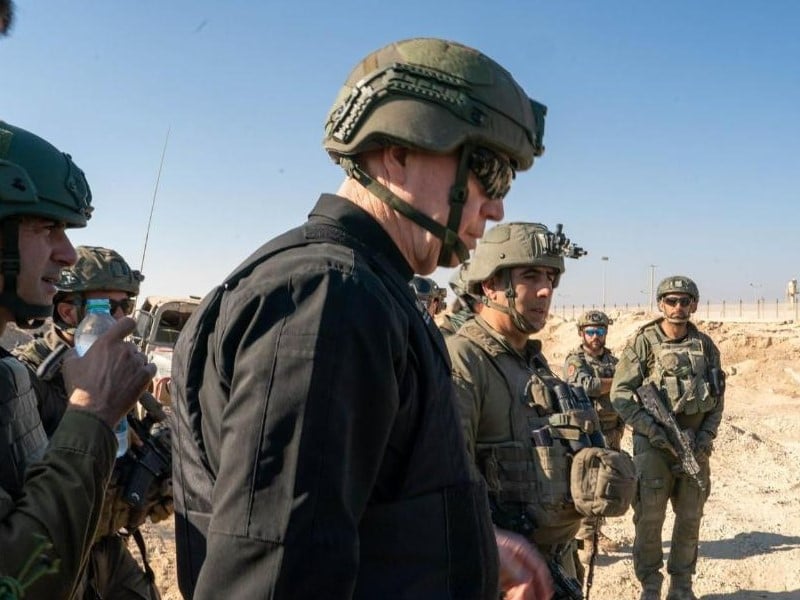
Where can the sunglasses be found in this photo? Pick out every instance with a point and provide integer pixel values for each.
(125, 305)
(675, 300)
(494, 172)
(595, 331)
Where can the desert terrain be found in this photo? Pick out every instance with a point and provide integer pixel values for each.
(750, 535)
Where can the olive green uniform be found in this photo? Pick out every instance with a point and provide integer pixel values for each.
(681, 370)
(62, 493)
(502, 396)
(585, 370)
(111, 572)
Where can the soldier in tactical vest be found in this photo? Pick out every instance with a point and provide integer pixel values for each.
(506, 389)
(591, 365)
(51, 491)
(317, 447)
(112, 571)
(684, 365)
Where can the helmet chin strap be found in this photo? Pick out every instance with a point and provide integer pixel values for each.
(451, 243)
(27, 316)
(521, 323)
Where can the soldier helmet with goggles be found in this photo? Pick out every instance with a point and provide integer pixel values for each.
(441, 97)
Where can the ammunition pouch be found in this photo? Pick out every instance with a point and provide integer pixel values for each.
(602, 482)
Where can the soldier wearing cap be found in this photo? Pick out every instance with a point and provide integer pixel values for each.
(51, 491)
(112, 571)
(316, 442)
(684, 364)
(505, 388)
(591, 365)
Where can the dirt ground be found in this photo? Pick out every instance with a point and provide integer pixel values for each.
(750, 535)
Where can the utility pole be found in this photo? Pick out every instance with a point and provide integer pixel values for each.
(652, 286)
(605, 262)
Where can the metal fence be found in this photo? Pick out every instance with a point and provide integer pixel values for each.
(738, 310)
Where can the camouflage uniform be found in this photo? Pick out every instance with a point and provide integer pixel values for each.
(681, 370)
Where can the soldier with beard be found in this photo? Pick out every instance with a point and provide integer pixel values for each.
(684, 365)
(591, 365)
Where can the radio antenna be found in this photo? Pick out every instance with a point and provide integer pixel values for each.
(153, 203)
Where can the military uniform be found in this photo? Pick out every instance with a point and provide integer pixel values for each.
(681, 370)
(61, 494)
(585, 370)
(449, 323)
(111, 572)
(503, 395)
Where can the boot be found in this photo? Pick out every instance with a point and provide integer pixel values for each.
(680, 588)
(651, 587)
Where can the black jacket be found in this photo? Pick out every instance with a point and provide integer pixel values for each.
(318, 453)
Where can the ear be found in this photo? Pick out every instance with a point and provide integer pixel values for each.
(693, 307)
(68, 313)
(394, 163)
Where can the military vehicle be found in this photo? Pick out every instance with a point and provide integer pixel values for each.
(159, 321)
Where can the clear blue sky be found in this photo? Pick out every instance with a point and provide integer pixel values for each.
(673, 133)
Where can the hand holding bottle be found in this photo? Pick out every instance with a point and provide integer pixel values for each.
(109, 379)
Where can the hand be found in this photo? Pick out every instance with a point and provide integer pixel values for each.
(524, 574)
(110, 377)
(703, 443)
(658, 439)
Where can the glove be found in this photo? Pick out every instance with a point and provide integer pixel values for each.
(658, 439)
(703, 443)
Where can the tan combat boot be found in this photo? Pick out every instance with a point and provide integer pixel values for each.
(651, 587)
(680, 588)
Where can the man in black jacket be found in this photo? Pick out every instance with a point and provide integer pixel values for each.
(317, 449)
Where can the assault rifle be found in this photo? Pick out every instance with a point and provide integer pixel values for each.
(566, 587)
(681, 442)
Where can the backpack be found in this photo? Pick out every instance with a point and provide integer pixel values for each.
(602, 482)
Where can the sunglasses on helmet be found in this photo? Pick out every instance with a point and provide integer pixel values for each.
(684, 301)
(494, 172)
(595, 331)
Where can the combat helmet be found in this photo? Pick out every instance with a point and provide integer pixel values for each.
(510, 245)
(595, 318)
(437, 96)
(424, 288)
(38, 180)
(96, 269)
(677, 284)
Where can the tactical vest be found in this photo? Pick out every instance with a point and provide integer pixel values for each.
(22, 438)
(604, 368)
(680, 371)
(517, 471)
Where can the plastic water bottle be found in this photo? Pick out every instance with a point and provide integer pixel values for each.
(97, 321)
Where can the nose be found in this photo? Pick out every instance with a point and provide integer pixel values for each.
(63, 251)
(493, 210)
